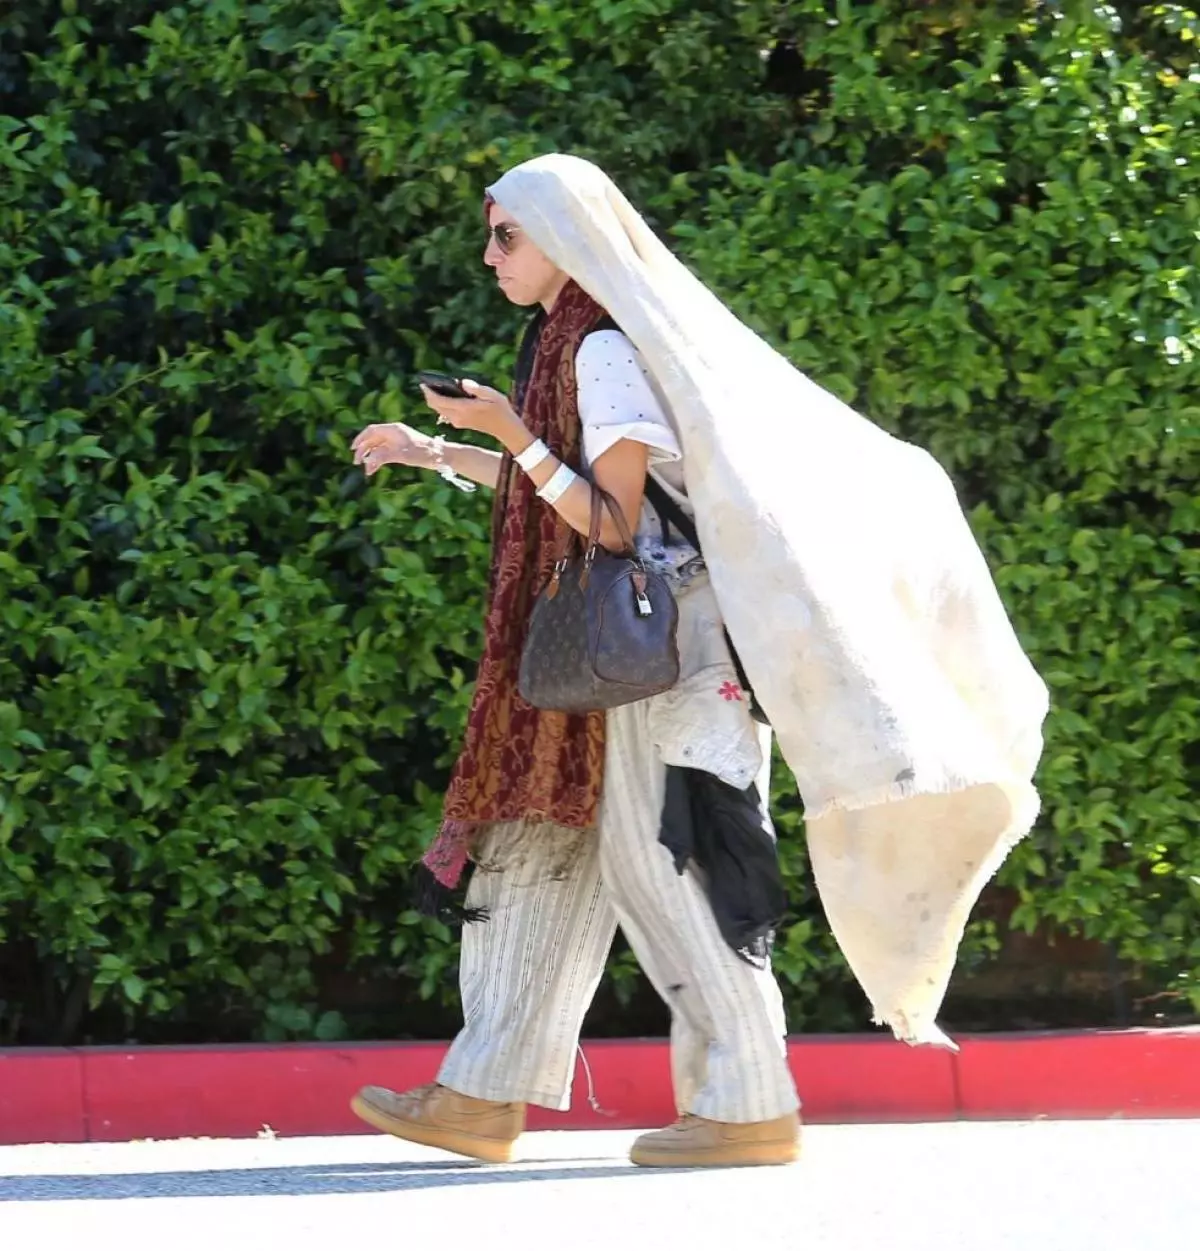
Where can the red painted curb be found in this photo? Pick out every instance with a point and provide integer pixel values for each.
(233, 1092)
(42, 1096)
(872, 1078)
(1134, 1073)
(112, 1094)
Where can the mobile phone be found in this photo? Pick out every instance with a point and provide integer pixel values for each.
(443, 384)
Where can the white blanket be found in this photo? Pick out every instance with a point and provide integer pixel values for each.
(854, 591)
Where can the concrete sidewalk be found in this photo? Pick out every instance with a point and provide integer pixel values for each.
(1025, 1186)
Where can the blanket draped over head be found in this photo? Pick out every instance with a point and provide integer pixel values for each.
(854, 592)
(519, 765)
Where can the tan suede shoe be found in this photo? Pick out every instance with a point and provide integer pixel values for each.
(436, 1116)
(693, 1142)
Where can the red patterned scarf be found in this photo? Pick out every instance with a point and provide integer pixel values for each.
(519, 762)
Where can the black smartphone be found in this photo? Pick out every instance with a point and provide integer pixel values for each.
(443, 384)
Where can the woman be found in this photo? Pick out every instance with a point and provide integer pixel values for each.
(865, 617)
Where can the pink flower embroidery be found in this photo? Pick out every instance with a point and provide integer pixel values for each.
(731, 691)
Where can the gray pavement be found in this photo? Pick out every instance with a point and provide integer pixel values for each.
(1034, 1186)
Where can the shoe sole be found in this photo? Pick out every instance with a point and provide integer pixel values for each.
(748, 1155)
(489, 1150)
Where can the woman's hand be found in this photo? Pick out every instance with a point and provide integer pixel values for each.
(392, 444)
(488, 411)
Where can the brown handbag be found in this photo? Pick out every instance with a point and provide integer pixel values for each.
(603, 631)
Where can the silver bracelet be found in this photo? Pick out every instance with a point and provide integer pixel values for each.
(438, 448)
(559, 484)
(532, 456)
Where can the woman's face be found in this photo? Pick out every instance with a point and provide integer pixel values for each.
(526, 275)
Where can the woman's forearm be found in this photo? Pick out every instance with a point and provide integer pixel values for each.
(476, 463)
(621, 471)
(575, 508)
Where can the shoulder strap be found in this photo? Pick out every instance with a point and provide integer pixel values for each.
(525, 356)
(670, 512)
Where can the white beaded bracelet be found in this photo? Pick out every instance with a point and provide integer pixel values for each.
(438, 448)
(559, 485)
(532, 456)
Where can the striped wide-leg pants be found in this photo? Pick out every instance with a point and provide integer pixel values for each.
(529, 973)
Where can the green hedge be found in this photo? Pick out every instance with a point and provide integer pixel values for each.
(233, 674)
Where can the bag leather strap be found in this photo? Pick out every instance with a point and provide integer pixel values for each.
(670, 513)
(599, 497)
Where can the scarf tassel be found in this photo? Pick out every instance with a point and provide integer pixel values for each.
(433, 899)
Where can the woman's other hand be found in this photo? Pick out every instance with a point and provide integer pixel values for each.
(392, 444)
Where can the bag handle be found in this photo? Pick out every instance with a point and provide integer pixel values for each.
(618, 516)
(599, 497)
(562, 557)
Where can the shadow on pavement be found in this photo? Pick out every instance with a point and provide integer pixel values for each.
(306, 1179)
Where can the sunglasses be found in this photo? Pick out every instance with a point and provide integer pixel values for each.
(505, 234)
